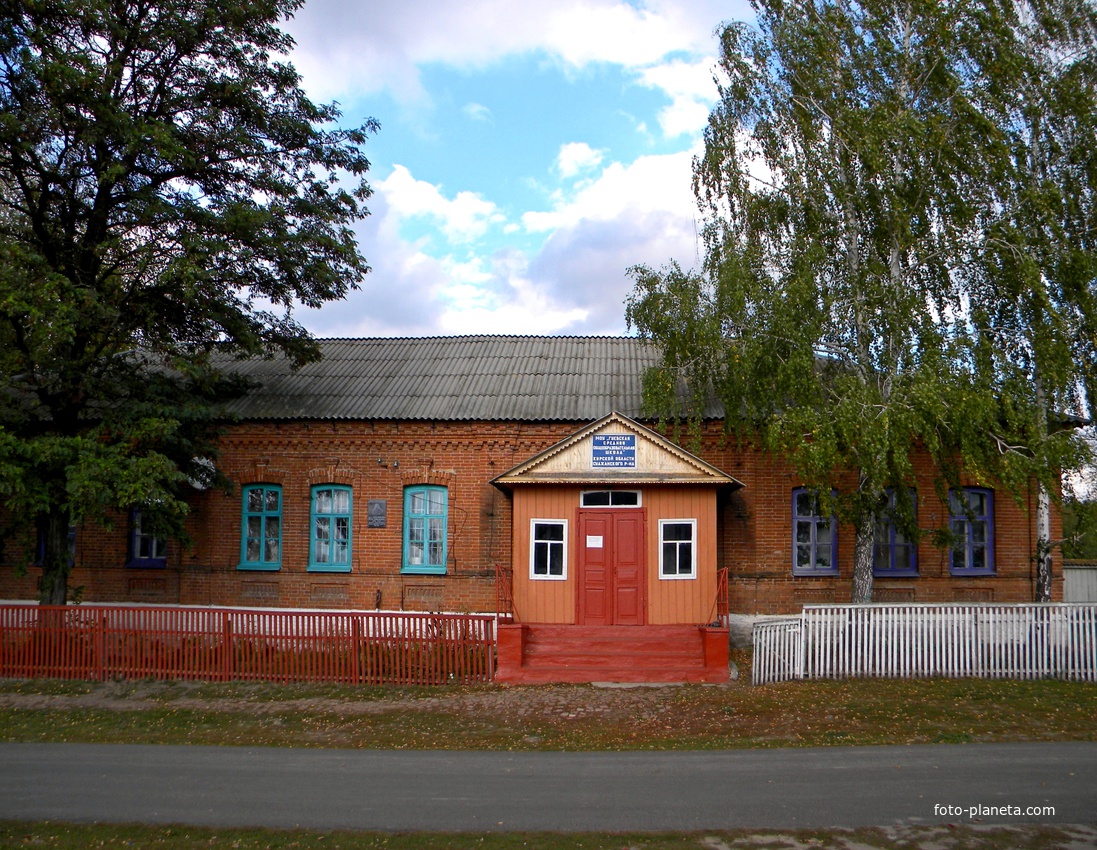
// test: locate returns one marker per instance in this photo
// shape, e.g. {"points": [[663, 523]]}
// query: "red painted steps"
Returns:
{"points": [[539, 654]]}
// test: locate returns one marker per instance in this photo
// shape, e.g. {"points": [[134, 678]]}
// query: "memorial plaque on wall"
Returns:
{"points": [[377, 513]]}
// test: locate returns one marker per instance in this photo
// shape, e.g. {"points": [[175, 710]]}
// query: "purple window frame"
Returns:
{"points": [[813, 521], [968, 525], [886, 524], [136, 560]]}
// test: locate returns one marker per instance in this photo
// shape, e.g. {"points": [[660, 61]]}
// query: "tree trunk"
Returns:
{"points": [[53, 588], [1043, 544], [862, 561]]}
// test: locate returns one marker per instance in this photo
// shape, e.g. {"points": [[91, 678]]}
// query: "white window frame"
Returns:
{"points": [[692, 575], [533, 543], [583, 497]]}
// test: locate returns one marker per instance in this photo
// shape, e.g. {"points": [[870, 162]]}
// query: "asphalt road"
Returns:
{"points": [[482, 791]]}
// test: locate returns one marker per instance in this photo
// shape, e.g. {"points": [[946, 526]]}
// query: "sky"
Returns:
{"points": [[528, 154]]}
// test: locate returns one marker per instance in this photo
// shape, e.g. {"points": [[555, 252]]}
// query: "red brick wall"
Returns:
{"points": [[378, 459]]}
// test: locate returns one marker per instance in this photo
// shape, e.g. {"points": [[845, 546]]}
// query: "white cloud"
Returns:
{"points": [[343, 52], [463, 218], [477, 111], [691, 90], [651, 183], [575, 157]]}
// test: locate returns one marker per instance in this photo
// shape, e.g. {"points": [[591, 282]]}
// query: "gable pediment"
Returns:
{"points": [[615, 450]]}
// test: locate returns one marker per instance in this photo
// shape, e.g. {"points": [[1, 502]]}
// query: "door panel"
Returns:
{"points": [[612, 578]]}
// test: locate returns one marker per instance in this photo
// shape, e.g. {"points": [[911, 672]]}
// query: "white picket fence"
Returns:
{"points": [[911, 641]]}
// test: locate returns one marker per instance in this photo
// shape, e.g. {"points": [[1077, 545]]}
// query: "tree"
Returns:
{"points": [[857, 171], [167, 191]]}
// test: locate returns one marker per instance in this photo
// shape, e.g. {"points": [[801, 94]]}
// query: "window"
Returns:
{"points": [[548, 549], [261, 536], [893, 552], [610, 499], [329, 543], [677, 543], [814, 541], [425, 513], [146, 550], [972, 527]]}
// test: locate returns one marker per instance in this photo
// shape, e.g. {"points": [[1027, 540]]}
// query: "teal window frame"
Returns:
{"points": [[261, 522], [331, 528], [426, 530]]}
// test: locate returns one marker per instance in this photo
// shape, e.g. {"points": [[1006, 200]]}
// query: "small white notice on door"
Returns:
{"points": [[594, 541]]}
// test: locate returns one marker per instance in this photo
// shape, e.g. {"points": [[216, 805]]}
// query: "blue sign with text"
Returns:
{"points": [[613, 451]]}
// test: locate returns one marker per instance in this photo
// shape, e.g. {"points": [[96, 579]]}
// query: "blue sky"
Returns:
{"points": [[529, 153]]}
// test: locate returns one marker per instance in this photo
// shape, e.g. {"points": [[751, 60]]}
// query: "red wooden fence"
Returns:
{"points": [[100, 642]]}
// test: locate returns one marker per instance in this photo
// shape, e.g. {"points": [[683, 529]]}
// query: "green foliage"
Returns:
{"points": [[167, 193], [1080, 529], [900, 225]]}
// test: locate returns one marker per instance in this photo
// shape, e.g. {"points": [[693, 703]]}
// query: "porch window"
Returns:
{"points": [[261, 535], [426, 511], [548, 549], [814, 538], [678, 547], [972, 526], [329, 541], [146, 550], [893, 552], [610, 499]]}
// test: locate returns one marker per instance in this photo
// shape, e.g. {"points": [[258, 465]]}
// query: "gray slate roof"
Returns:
{"points": [[529, 378]]}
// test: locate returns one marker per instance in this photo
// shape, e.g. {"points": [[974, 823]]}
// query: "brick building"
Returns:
{"points": [[405, 473]]}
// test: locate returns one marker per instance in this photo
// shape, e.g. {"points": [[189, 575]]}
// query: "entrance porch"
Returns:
{"points": [[532, 654]]}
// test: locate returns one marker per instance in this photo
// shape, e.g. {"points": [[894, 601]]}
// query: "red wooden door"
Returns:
{"points": [[611, 568]]}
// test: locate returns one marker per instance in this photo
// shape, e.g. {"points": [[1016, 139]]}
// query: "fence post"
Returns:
{"points": [[101, 645], [226, 647]]}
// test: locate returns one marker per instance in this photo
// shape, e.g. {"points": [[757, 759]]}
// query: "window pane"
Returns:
{"points": [[255, 501], [434, 554], [255, 526], [416, 529], [595, 499], [274, 526], [624, 497], [342, 528], [678, 531], [435, 501], [417, 502], [685, 559], [272, 501], [904, 557], [803, 555], [252, 550], [341, 501], [822, 557], [979, 532], [540, 559], [415, 553], [978, 558], [978, 503], [322, 502], [670, 565], [556, 559], [804, 506], [803, 532], [271, 554], [548, 531], [322, 528]]}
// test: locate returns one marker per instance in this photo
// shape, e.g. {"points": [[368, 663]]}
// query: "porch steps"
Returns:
{"points": [[540, 654]]}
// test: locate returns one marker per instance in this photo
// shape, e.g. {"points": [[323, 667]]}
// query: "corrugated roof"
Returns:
{"points": [[530, 378]]}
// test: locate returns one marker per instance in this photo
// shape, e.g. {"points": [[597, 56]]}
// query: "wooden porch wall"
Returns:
{"points": [[668, 601]]}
